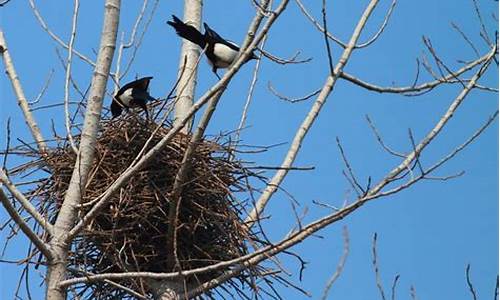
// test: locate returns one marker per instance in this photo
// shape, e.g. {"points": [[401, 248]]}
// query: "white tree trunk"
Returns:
{"points": [[190, 54], [67, 216]]}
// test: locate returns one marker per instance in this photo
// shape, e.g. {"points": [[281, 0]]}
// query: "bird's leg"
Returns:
{"points": [[214, 69], [145, 108]]}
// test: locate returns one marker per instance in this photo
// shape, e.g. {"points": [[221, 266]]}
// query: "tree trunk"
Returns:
{"points": [[67, 216], [190, 54]]}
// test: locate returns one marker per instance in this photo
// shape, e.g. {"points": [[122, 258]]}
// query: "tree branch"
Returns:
{"points": [[310, 118], [414, 89], [21, 99], [32, 236], [26, 204]]}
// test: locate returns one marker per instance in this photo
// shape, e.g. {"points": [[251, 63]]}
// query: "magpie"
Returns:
{"points": [[220, 52], [132, 94]]}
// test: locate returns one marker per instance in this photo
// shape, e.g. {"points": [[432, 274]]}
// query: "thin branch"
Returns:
{"points": [[476, 134], [131, 41], [436, 130], [380, 140], [327, 42], [7, 145], [26, 204], [381, 28], [67, 78], [310, 118], [413, 293], [32, 236], [318, 26], [484, 32], [283, 61], [469, 283], [495, 296], [21, 99], [55, 37], [340, 265], [141, 37], [4, 2], [393, 289], [44, 88], [289, 99], [419, 88], [376, 268], [466, 38], [349, 168], [252, 86]]}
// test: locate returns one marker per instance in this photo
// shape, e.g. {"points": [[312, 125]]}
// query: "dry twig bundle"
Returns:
{"points": [[130, 234]]}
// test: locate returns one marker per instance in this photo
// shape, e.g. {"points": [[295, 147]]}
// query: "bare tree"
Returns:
{"points": [[54, 235]]}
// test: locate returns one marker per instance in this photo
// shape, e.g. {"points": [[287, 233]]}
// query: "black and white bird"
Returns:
{"points": [[132, 94], [220, 52]]}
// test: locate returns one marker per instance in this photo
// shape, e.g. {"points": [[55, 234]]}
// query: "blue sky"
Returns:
{"points": [[427, 234]]}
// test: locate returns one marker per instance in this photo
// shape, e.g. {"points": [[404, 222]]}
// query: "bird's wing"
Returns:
{"points": [[141, 83], [214, 36], [141, 95], [187, 31]]}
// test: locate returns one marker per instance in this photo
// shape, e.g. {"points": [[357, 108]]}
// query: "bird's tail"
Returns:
{"points": [[188, 32]]}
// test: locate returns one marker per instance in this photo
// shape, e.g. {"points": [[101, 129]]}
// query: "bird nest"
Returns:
{"points": [[130, 233]]}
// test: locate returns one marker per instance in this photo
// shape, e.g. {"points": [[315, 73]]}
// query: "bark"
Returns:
{"points": [[68, 213], [189, 57]]}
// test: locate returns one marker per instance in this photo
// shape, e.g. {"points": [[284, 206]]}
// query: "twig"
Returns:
{"points": [[340, 265], [469, 283], [68, 74], [282, 168], [413, 89], [380, 140], [464, 36], [327, 42], [436, 130], [495, 296], [252, 85], [349, 168], [141, 37], [45, 27], [376, 268], [131, 41], [413, 293], [381, 28], [393, 289], [7, 146], [484, 32], [292, 100], [283, 61], [44, 88], [318, 26]]}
